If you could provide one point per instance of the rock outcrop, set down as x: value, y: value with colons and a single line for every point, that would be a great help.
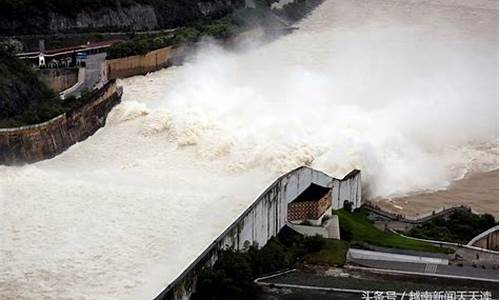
x: 51, y: 16
x: 139, y: 17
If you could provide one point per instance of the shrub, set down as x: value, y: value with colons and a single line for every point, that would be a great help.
x: 24, y: 98
x: 313, y: 243
x: 348, y: 206
x: 232, y: 275
x: 219, y: 29
x: 186, y: 35
x: 460, y: 227
x: 345, y: 233
x: 139, y: 45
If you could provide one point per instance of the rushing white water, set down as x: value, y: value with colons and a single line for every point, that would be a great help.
x: 405, y: 90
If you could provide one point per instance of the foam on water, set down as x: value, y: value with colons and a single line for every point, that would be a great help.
x: 405, y: 90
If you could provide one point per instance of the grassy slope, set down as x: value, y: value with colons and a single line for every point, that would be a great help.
x: 364, y: 231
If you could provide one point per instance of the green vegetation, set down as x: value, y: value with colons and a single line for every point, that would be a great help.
x: 24, y: 98
x: 361, y: 229
x: 333, y: 253
x: 459, y: 227
x: 232, y: 275
x: 219, y: 29
x: 34, y: 16
x: 296, y: 10
x: 138, y: 46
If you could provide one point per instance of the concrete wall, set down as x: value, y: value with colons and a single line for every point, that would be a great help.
x: 308, y: 230
x: 59, y: 79
x: 384, y: 256
x: 32, y: 143
x: 140, y: 64
x: 349, y: 188
x: 486, y: 240
x: 265, y: 217
x: 74, y: 88
x: 330, y: 230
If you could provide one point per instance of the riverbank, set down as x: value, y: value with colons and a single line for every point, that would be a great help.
x: 32, y: 143
x: 478, y: 191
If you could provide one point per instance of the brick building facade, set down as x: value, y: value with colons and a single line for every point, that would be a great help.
x: 310, y: 204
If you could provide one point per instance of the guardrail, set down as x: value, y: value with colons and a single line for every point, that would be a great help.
x: 482, y: 235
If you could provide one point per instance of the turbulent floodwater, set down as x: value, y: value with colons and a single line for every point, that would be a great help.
x: 405, y: 90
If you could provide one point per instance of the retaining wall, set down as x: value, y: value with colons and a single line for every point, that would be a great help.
x: 264, y: 219
x: 32, y: 143
x: 140, y: 64
x: 384, y: 256
x: 59, y: 79
x: 72, y: 89
x: 329, y: 230
x: 486, y: 240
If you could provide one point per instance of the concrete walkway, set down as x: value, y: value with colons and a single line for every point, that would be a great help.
x: 358, y: 254
x: 94, y: 73
x: 330, y: 230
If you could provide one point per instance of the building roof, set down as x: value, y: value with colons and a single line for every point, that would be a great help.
x: 313, y: 192
x: 351, y: 174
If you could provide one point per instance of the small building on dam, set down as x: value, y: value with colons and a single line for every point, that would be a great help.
x: 301, y: 194
x: 311, y: 206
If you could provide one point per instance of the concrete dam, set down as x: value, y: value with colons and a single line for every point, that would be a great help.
x: 376, y: 85
x: 264, y: 219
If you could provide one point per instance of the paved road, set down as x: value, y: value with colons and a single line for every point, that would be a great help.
x: 357, y: 281
x: 465, y: 271
x: 94, y: 73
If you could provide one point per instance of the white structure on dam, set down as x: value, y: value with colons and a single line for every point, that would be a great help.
x: 265, y: 218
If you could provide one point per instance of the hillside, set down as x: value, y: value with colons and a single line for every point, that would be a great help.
x: 56, y: 16
x: 24, y: 99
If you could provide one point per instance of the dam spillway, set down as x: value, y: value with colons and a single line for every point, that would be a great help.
x: 404, y: 90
